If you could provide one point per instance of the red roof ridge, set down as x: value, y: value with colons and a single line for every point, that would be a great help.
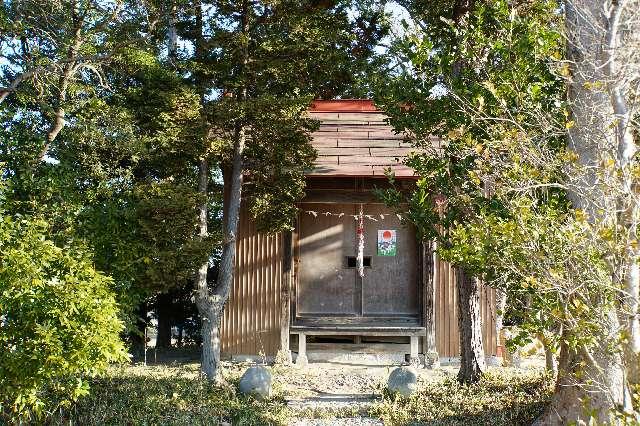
x: 344, y: 105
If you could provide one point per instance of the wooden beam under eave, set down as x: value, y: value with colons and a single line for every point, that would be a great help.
x: 340, y: 197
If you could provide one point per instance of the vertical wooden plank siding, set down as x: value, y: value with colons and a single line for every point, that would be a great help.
x: 251, y: 322
x: 447, y: 337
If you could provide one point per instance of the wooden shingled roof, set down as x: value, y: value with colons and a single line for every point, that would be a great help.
x: 354, y: 139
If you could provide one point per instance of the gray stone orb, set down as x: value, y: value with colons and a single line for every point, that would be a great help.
x: 256, y: 381
x: 403, y: 381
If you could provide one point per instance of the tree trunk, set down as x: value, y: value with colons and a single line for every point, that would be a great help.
x: 430, y: 281
x: 204, y: 301
x: 472, y: 362
x: 211, y: 303
x: 593, y: 377
x: 591, y: 382
x: 631, y: 314
x: 628, y: 208
x: 549, y: 357
x: 163, y: 315
x: 137, y: 336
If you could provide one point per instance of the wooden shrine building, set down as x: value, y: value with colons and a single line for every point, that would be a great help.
x: 308, y: 284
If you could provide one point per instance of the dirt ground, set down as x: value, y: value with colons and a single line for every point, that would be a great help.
x: 324, y: 379
x: 333, y: 393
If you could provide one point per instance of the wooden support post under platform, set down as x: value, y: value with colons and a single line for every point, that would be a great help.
x: 430, y: 278
x: 284, y: 353
x: 413, y: 354
x: 302, y: 350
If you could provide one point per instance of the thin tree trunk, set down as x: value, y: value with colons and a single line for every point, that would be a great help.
x: 57, y: 121
x: 204, y: 301
x: 210, y: 329
x: 549, y: 357
x: 163, y: 314
x: 137, y: 336
x: 211, y: 303
x: 172, y: 33
x: 472, y: 362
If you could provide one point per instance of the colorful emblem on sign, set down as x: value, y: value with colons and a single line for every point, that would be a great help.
x: 387, y: 243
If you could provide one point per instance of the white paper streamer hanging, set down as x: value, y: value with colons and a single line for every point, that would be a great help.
x: 355, y: 217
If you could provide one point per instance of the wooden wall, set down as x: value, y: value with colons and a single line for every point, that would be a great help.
x: 446, y: 307
x: 251, y: 323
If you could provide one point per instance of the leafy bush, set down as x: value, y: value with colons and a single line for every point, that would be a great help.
x: 58, y: 321
x: 500, y: 398
x: 167, y: 396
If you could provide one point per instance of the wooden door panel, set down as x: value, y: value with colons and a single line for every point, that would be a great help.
x: 326, y: 287
x: 390, y: 286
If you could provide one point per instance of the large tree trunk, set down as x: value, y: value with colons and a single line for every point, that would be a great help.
x: 593, y: 378
x: 591, y: 382
x: 618, y: 64
x: 472, y: 362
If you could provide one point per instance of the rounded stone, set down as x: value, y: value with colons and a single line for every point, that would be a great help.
x: 256, y: 381
x: 403, y: 381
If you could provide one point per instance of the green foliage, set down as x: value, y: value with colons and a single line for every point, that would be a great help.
x: 486, y: 81
x: 262, y: 76
x: 168, y: 395
x: 58, y: 321
x: 280, y: 153
x: 494, y: 62
x: 500, y: 398
x: 538, y: 255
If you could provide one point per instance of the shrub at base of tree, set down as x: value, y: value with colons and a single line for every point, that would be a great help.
x: 59, y: 322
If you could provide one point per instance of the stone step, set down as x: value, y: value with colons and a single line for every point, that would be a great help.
x: 346, y: 421
x: 334, y: 402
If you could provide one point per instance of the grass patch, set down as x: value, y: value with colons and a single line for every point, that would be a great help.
x: 503, y: 397
x: 175, y: 395
x: 157, y: 395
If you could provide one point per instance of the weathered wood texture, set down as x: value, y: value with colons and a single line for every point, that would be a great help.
x: 391, y: 287
x: 446, y: 314
x: 358, y: 144
x: 326, y: 285
x: 251, y: 323
x: 252, y: 320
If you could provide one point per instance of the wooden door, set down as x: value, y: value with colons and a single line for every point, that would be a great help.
x: 329, y: 285
x: 390, y: 285
x: 326, y: 286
